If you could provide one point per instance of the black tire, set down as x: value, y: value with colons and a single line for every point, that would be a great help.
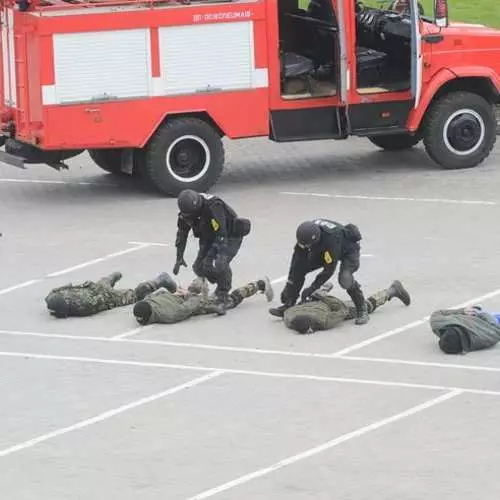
x: 395, y: 142
x: 110, y: 161
x: 107, y: 159
x: 197, y: 164
x: 459, y: 130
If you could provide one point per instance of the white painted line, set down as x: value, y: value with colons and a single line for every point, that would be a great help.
x: 70, y: 183
x: 124, y: 337
x: 409, y: 326
x: 108, y: 414
x: 429, y: 364
x: 74, y: 268
x: 96, y: 261
x: 17, y: 287
x: 297, y: 376
x: 249, y: 350
x: 149, y: 243
x: 382, y: 336
x: 391, y: 198
x: 327, y: 446
x: 131, y: 333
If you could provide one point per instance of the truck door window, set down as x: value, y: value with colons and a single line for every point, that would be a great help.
x: 383, y: 50
x: 308, y: 39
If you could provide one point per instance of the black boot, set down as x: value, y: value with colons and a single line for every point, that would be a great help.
x: 399, y: 291
x: 115, y: 277
x: 221, y: 301
x: 279, y: 312
x: 146, y: 287
x: 362, y: 316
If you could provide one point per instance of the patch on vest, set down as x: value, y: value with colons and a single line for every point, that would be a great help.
x: 215, y: 225
x: 328, y: 258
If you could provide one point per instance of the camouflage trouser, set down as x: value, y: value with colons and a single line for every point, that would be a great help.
x: 123, y: 297
x: 237, y: 296
x: 373, y: 301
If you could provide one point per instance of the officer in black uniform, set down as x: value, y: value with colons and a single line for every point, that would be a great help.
x: 220, y: 232
x: 322, y: 243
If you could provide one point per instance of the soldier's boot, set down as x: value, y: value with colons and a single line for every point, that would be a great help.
x: 268, y: 289
x: 221, y: 300
x: 114, y: 278
x: 199, y: 286
x: 279, y: 312
x: 362, y: 316
x: 146, y: 287
x: 397, y: 290
x: 216, y: 309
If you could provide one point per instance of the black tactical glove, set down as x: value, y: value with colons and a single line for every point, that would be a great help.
x: 307, y: 292
x: 178, y: 263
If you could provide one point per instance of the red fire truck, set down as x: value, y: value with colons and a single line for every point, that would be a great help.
x: 151, y: 87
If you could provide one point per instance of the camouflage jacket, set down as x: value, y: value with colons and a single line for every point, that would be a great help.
x: 170, y: 308
x: 89, y: 298
x: 328, y: 311
x: 478, y: 332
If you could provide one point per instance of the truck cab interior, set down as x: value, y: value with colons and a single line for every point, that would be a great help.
x: 309, y: 49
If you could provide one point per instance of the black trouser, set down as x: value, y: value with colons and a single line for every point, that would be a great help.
x: 203, y: 266
x: 348, y: 266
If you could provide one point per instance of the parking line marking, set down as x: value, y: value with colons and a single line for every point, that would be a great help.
x: 17, y: 287
x: 328, y: 445
x: 382, y: 336
x: 131, y: 333
x: 250, y: 350
x: 70, y: 183
x: 109, y: 414
x: 96, y: 261
x: 409, y: 326
x: 73, y: 268
x: 296, y: 376
x: 430, y: 364
x: 149, y: 243
x: 390, y: 198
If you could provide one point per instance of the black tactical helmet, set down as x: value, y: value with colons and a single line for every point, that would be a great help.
x: 308, y: 233
x: 189, y: 201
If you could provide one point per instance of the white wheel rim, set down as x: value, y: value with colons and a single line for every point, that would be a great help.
x: 203, y: 170
x: 480, y: 141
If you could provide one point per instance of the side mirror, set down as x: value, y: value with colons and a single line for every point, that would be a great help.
x: 441, y: 13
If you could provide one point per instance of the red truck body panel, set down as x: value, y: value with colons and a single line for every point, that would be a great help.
x: 106, y: 75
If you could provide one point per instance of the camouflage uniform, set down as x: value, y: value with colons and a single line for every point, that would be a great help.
x: 89, y: 297
x: 170, y: 308
x: 478, y: 331
x: 326, y: 311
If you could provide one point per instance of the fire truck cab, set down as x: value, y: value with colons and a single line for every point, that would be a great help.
x: 150, y: 88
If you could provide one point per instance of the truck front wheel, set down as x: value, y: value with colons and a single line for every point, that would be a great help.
x: 395, y: 142
x: 460, y: 130
x: 185, y: 153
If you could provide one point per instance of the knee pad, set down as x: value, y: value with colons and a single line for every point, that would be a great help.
x: 346, y: 280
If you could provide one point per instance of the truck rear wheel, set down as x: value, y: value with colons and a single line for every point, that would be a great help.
x: 460, y: 130
x: 185, y: 153
x: 395, y: 142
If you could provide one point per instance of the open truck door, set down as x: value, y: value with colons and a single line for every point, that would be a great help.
x: 416, y: 53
